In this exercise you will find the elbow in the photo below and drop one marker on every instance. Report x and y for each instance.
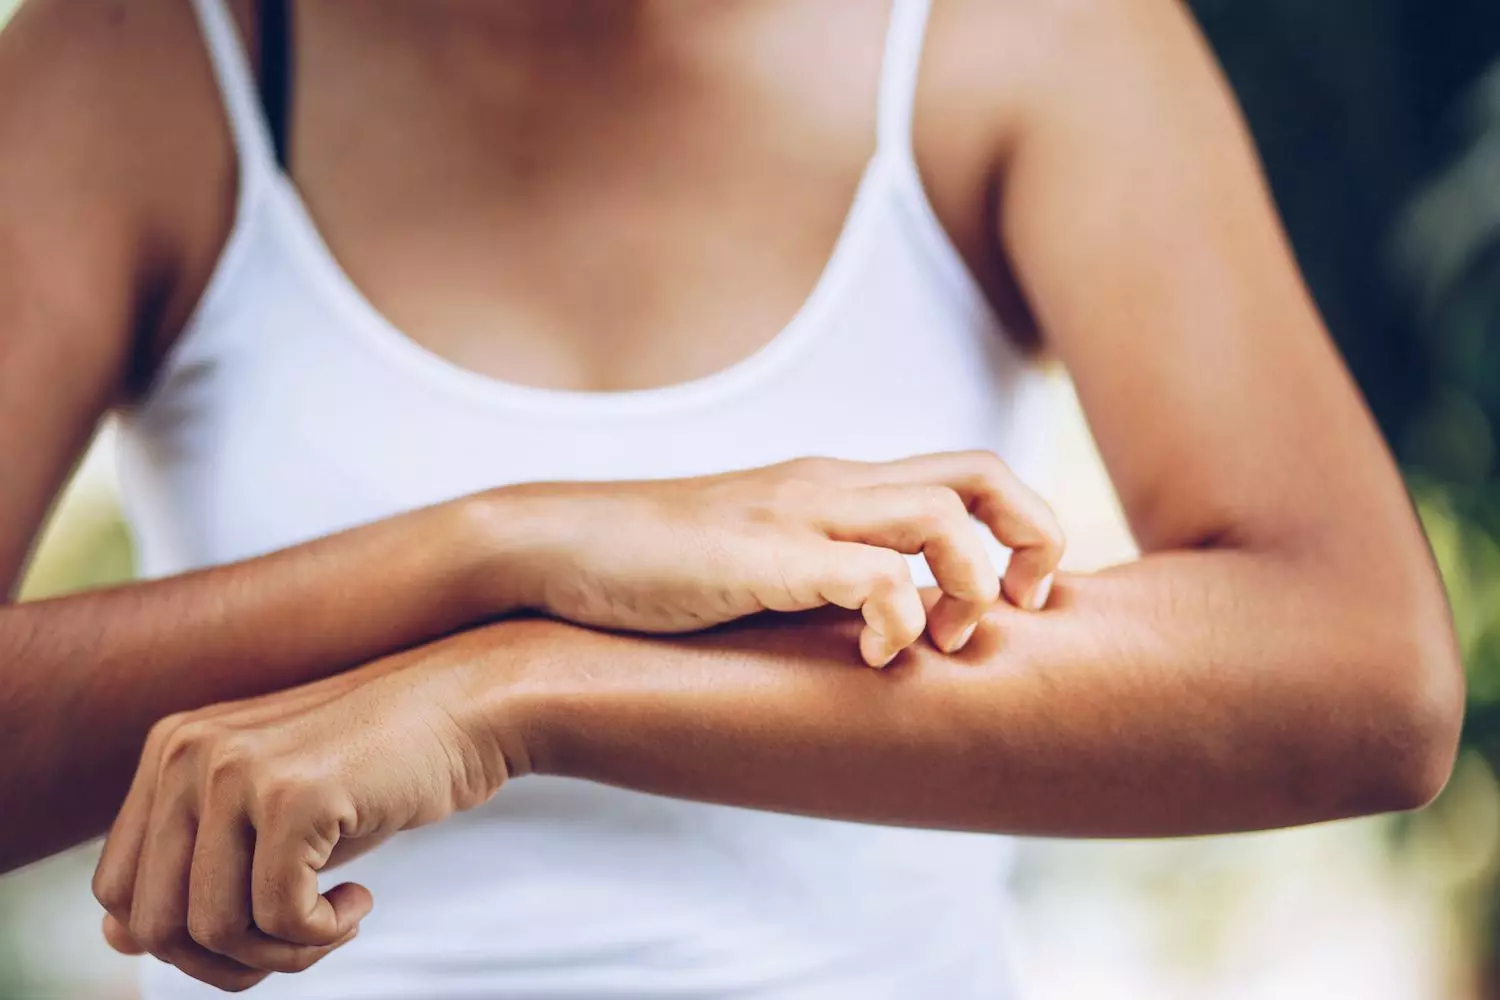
(1412, 778)
(1406, 742)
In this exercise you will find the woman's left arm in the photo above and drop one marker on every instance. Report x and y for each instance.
(1283, 652)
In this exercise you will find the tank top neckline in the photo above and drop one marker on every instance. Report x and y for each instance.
(891, 168)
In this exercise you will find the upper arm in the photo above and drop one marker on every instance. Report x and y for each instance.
(1135, 214)
(83, 253)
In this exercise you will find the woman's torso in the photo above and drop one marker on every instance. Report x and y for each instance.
(600, 262)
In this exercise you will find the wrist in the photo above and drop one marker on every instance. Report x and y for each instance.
(498, 544)
(503, 698)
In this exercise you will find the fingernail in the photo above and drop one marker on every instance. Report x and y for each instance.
(872, 650)
(1041, 593)
(963, 638)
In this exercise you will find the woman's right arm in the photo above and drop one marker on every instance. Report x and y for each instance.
(87, 257)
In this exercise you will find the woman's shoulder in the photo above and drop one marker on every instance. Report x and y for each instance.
(1006, 53)
(112, 133)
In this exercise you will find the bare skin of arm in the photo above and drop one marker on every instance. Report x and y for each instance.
(84, 678)
(89, 268)
(1281, 654)
(86, 258)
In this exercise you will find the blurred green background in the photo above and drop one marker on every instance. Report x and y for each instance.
(1380, 124)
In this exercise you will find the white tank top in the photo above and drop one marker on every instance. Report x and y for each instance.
(291, 408)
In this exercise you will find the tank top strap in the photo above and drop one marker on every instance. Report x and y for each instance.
(242, 105)
(899, 72)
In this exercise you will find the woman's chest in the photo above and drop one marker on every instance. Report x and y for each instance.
(292, 410)
(634, 203)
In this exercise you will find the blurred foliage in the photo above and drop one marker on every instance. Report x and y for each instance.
(93, 548)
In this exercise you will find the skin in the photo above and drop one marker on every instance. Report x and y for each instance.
(1281, 653)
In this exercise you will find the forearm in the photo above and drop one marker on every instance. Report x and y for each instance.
(85, 677)
(82, 678)
(1185, 694)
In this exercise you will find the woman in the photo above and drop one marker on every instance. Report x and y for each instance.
(430, 252)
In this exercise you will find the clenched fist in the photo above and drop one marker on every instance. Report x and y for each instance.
(212, 863)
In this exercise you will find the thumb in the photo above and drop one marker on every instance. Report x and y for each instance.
(351, 903)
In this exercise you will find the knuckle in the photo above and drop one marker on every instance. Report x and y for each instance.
(927, 504)
(281, 793)
(812, 469)
(994, 478)
(111, 890)
(232, 764)
(278, 920)
(166, 726)
(943, 509)
(154, 934)
(211, 932)
(187, 744)
(798, 489)
(987, 463)
(785, 498)
(1053, 538)
(889, 572)
(161, 733)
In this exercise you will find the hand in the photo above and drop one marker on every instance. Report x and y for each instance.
(212, 864)
(682, 555)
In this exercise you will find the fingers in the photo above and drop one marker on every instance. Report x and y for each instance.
(877, 583)
(114, 875)
(1017, 515)
(158, 915)
(921, 505)
(178, 867)
(219, 909)
(218, 913)
(284, 898)
(931, 520)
